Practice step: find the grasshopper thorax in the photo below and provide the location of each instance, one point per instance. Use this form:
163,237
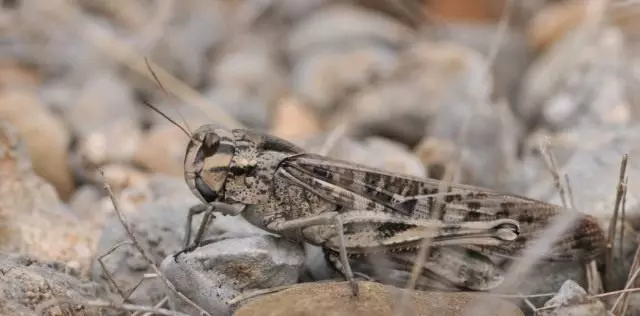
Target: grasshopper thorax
206,162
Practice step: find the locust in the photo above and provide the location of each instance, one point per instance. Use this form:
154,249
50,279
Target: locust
352,210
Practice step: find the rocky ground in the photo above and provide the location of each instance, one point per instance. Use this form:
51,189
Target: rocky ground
499,87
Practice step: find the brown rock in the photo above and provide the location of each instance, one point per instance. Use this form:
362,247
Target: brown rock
335,298
45,135
34,221
293,119
162,150
16,75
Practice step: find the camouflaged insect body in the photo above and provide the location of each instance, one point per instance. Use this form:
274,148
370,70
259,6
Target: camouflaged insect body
380,211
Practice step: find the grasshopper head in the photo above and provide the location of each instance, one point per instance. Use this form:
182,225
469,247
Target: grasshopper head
206,163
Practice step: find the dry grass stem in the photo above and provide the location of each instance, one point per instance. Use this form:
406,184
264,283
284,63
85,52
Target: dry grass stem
108,305
158,305
613,223
112,282
142,252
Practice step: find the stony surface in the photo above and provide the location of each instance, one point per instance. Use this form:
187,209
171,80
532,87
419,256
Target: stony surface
27,286
404,86
334,298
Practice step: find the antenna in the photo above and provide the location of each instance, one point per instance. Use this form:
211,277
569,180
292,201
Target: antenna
186,128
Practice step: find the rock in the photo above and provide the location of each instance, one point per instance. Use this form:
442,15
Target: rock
84,200
180,41
600,150
292,120
429,77
16,76
28,285
486,137
573,300
44,134
49,36
103,99
335,298
114,143
162,149
552,22
341,24
324,78
156,211
35,222
159,228
564,89
511,60
247,81
215,273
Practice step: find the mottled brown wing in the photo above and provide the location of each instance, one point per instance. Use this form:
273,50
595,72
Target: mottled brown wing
358,187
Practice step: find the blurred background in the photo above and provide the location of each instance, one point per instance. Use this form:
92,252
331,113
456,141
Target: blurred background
509,95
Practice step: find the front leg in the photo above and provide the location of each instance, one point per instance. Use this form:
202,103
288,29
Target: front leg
208,210
323,219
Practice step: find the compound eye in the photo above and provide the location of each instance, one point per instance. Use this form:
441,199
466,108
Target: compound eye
210,144
205,191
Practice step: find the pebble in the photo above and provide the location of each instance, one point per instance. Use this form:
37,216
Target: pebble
573,300
324,78
44,134
563,89
338,24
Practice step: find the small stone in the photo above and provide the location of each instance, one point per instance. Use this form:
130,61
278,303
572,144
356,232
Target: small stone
217,272
292,120
344,23
162,149
103,98
429,78
335,298
563,88
573,300
44,134
17,76
322,79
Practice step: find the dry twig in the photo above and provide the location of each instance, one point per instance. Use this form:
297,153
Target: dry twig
146,257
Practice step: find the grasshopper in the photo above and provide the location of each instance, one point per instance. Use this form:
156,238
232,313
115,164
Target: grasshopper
350,209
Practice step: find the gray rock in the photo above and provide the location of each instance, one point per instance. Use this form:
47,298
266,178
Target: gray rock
429,77
578,81
189,32
345,24
215,273
27,284
247,80
512,58
324,78
486,137
593,164
157,213
572,300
